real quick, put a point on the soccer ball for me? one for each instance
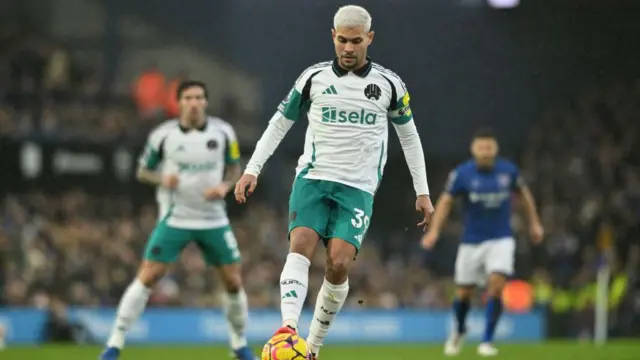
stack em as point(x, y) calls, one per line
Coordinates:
point(286, 347)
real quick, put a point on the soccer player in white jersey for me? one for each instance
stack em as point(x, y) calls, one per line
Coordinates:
point(349, 103)
point(200, 161)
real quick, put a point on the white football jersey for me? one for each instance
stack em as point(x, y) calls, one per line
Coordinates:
point(347, 136)
point(198, 157)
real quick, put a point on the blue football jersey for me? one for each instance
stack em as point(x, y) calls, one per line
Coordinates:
point(487, 198)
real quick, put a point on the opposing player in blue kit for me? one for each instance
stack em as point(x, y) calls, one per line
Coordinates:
point(486, 253)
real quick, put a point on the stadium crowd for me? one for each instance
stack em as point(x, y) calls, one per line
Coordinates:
point(579, 160)
point(46, 93)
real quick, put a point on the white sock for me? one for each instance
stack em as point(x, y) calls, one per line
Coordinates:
point(130, 308)
point(294, 281)
point(330, 300)
point(236, 308)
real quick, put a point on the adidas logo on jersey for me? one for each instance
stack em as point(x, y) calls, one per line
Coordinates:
point(291, 294)
point(331, 114)
point(330, 90)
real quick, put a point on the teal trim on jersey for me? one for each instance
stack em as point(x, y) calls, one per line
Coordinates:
point(309, 166)
point(169, 212)
point(293, 106)
point(172, 203)
point(151, 158)
point(380, 166)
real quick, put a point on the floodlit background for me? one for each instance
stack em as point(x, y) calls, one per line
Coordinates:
point(82, 82)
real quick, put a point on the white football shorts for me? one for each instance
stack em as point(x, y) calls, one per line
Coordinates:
point(475, 262)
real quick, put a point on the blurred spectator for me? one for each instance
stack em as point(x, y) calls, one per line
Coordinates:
point(28, 64)
point(48, 121)
point(172, 109)
point(90, 85)
point(149, 92)
point(7, 121)
point(4, 245)
point(57, 76)
point(58, 328)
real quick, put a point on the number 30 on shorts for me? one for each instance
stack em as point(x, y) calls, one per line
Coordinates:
point(360, 219)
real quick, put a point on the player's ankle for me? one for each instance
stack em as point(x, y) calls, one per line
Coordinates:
point(313, 348)
point(292, 324)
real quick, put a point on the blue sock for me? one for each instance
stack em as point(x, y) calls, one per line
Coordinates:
point(461, 309)
point(494, 309)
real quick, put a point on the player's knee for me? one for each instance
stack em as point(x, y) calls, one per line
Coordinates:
point(338, 268)
point(464, 292)
point(151, 272)
point(339, 259)
point(304, 241)
point(496, 283)
point(232, 281)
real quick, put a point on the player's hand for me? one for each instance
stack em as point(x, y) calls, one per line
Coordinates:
point(217, 192)
point(424, 206)
point(537, 232)
point(245, 187)
point(169, 181)
point(429, 240)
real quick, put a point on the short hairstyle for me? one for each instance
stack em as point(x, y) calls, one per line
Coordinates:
point(351, 16)
point(188, 84)
point(484, 133)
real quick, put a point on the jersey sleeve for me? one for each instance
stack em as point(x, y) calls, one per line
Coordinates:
point(232, 151)
point(517, 181)
point(153, 152)
point(454, 184)
point(298, 101)
point(399, 111)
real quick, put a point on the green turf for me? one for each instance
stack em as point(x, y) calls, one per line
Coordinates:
point(629, 350)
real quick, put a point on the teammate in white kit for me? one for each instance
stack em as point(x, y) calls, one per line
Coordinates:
point(349, 103)
point(194, 161)
point(487, 250)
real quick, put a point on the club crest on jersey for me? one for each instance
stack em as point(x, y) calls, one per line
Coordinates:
point(212, 144)
point(372, 91)
point(504, 180)
point(285, 103)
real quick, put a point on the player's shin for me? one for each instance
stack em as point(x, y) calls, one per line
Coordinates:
point(293, 288)
point(461, 306)
point(330, 301)
point(236, 309)
point(494, 310)
point(130, 308)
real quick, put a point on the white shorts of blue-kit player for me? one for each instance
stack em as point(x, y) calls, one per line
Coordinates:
point(475, 262)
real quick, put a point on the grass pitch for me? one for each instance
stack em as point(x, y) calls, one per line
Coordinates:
point(619, 350)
